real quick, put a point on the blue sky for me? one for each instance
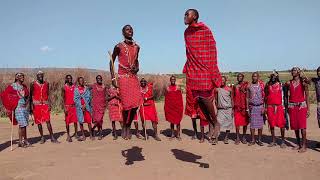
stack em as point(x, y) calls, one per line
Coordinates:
point(250, 34)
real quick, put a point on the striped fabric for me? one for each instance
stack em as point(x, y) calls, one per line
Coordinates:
point(201, 67)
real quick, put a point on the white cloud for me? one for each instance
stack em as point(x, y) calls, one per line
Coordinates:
point(46, 49)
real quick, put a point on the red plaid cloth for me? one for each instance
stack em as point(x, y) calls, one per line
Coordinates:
point(201, 67)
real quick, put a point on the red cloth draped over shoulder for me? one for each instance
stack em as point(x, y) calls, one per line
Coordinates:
point(128, 82)
point(173, 105)
point(10, 98)
point(201, 67)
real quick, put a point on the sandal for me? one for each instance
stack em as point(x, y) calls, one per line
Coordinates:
point(157, 138)
point(244, 141)
point(69, 139)
point(42, 140)
point(237, 142)
point(215, 141)
point(251, 143)
point(272, 144)
point(283, 145)
point(260, 143)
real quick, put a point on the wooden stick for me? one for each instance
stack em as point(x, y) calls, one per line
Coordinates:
point(144, 122)
point(112, 66)
point(12, 115)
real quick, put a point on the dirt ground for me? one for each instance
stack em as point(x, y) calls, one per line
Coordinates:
point(138, 159)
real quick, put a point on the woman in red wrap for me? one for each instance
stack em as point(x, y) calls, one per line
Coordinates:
point(241, 117)
point(201, 67)
point(275, 108)
point(298, 107)
point(99, 104)
point(130, 95)
point(173, 107)
point(148, 110)
point(70, 110)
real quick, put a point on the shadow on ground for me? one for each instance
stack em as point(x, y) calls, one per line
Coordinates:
point(132, 155)
point(188, 157)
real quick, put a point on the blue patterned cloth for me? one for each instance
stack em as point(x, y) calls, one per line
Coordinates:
point(21, 113)
point(256, 107)
point(86, 96)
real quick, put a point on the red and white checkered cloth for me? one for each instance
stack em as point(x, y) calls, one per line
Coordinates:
point(201, 68)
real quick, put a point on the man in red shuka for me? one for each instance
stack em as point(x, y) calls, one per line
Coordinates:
point(99, 104)
point(130, 95)
point(173, 107)
point(201, 67)
point(241, 117)
point(70, 110)
point(40, 105)
point(274, 107)
point(148, 110)
point(298, 107)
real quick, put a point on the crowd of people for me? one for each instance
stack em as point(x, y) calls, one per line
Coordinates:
point(208, 98)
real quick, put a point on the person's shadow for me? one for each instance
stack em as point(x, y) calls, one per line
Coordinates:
point(133, 154)
point(188, 157)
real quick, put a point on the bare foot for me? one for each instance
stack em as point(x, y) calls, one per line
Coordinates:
point(283, 145)
point(55, 141)
point(251, 143)
point(302, 150)
point(115, 136)
point(100, 137)
point(139, 136)
point(215, 141)
point(179, 138)
point(82, 138)
point(42, 140)
point(194, 137)
point(156, 137)
point(69, 139)
point(296, 148)
point(272, 144)
point(260, 143)
point(244, 141)
point(27, 144)
point(202, 140)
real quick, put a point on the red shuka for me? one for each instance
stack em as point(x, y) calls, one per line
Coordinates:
point(69, 105)
point(193, 110)
point(114, 106)
point(148, 110)
point(201, 68)
point(239, 98)
point(10, 98)
point(41, 110)
point(173, 105)
point(99, 93)
point(275, 111)
point(128, 82)
point(298, 112)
